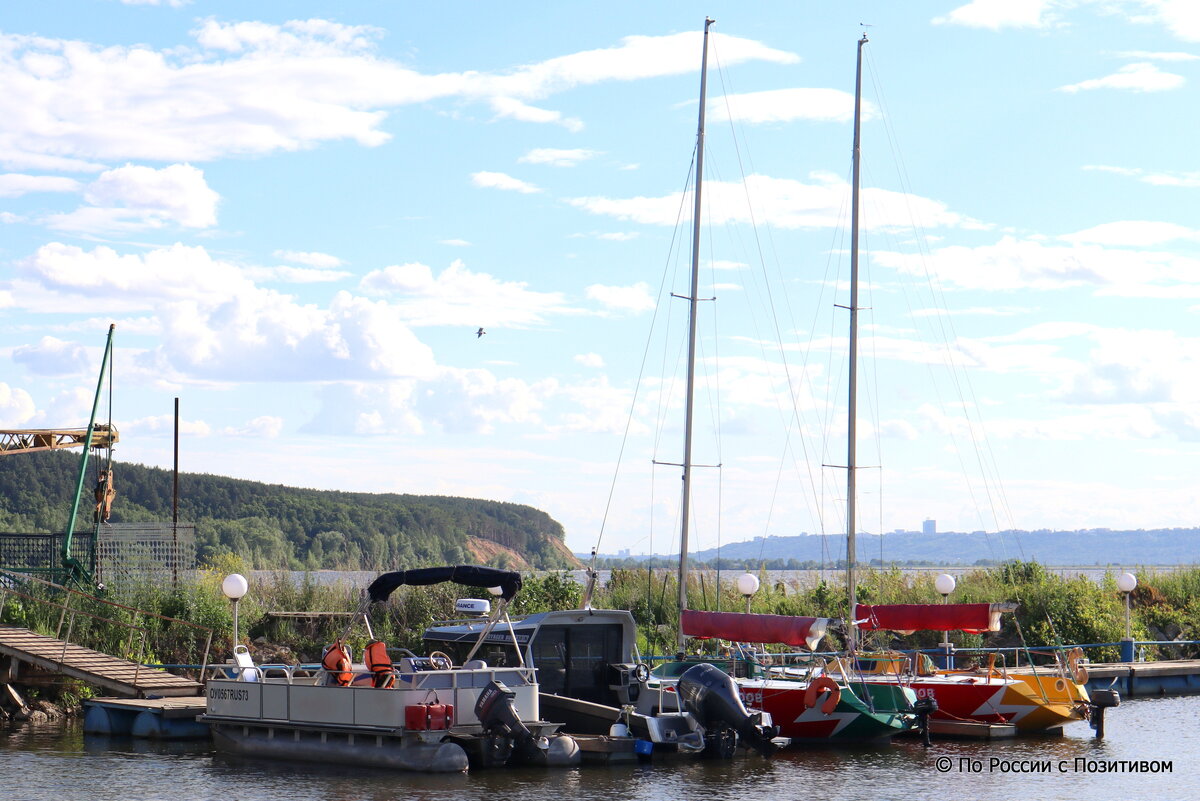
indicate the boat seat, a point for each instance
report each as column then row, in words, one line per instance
column 475, row 664
column 246, row 671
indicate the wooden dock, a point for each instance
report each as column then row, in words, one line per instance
column 154, row 718
column 117, row 676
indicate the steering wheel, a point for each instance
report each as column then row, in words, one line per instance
column 436, row 657
column 641, row 673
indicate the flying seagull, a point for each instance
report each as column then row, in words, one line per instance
column 480, row 333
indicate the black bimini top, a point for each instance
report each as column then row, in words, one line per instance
column 508, row 581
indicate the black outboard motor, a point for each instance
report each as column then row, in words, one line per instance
column 1101, row 700
column 711, row 696
column 923, row 708
column 503, row 729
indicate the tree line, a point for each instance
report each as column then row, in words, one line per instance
column 271, row 526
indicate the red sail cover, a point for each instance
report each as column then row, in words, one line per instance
column 739, row 627
column 907, row 618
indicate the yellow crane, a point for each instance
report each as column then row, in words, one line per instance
column 53, row 439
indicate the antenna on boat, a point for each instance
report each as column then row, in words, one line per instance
column 691, row 371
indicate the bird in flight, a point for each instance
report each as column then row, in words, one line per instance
column 480, row 333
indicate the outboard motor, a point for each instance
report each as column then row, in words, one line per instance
column 501, row 724
column 1101, row 700
column 711, row 696
column 923, row 708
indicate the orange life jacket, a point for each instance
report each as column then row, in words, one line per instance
column 337, row 663
column 379, row 663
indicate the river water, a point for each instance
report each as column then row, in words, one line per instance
column 55, row 762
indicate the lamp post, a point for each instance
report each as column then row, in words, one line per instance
column 747, row 585
column 234, row 586
column 945, row 585
column 1127, row 583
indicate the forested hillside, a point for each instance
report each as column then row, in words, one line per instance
column 273, row 526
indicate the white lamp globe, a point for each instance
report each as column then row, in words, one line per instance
column 234, row 586
column 1126, row 582
column 945, row 584
column 497, row 591
column 747, row 584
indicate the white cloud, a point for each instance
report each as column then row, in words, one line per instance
column 458, row 296
column 1020, row 264
column 321, row 261
column 216, row 324
column 1182, row 179
column 455, row 243
column 16, row 406
column 295, row 275
column 134, row 197
column 590, row 360
column 498, row 180
column 52, row 356
column 16, row 184
column 785, row 203
column 636, row 298
column 1180, row 17
column 264, row 427
column 1140, row 77
column 517, row 110
column 163, row 425
column 785, row 105
column 1145, row 55
column 557, row 157
column 256, row 88
column 1134, row 233
column 998, row 14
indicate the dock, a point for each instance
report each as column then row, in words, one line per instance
column 153, row 718
column 117, row 676
column 1146, row 679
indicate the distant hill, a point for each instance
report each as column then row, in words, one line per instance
column 1086, row 547
column 273, row 526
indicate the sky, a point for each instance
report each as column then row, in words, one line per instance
column 299, row 219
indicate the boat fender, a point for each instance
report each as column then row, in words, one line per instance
column 816, row 687
column 336, row 662
column 1078, row 672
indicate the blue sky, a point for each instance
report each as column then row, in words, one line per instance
column 298, row 218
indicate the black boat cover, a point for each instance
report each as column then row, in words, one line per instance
column 508, row 581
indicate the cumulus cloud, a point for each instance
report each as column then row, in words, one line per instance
column 1134, row 233
column 134, row 197
column 458, row 296
column 257, row 88
column 1141, row 77
column 1184, row 179
column 557, row 157
column 52, row 356
column 264, row 427
column 321, row 261
column 786, row 203
column 16, row 406
column 636, row 298
column 590, row 360
column 16, row 184
column 499, row 180
column 997, row 14
column 217, row 324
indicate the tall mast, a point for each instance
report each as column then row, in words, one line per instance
column 852, row 405
column 691, row 371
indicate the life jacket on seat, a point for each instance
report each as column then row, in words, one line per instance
column 380, row 664
column 336, row 661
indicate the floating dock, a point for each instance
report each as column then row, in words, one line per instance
column 971, row 730
column 153, row 718
column 1146, row 679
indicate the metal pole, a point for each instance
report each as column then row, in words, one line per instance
column 852, row 405
column 175, row 505
column 691, row 373
column 235, row 622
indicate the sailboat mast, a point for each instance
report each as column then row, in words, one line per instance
column 852, row 405
column 691, row 371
